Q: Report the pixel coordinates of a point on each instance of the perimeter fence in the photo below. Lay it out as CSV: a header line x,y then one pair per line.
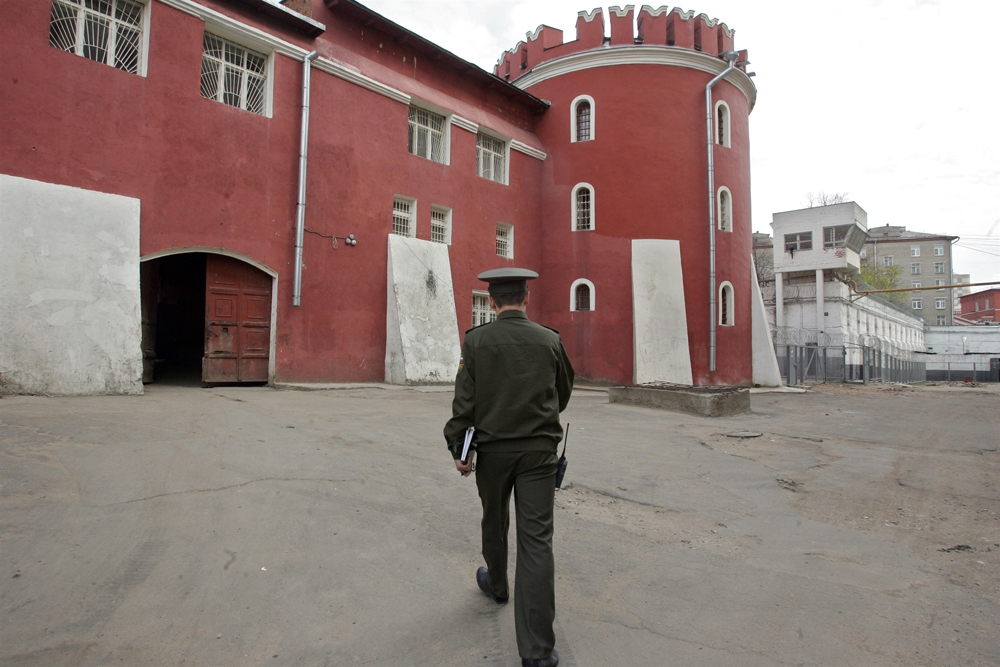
x,y
806,356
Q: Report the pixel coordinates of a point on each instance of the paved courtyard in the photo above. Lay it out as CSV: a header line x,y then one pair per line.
x,y
250,526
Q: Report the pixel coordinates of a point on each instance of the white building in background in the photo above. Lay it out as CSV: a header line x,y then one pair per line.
x,y
816,257
957,352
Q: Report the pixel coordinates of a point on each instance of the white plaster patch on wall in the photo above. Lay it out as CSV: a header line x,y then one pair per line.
x,y
660,319
69,290
422,342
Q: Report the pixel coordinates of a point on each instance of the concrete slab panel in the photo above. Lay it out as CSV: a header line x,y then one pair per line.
x,y
765,362
69,290
660,331
422,344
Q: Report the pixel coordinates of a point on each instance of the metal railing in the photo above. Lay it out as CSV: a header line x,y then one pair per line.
x,y
827,358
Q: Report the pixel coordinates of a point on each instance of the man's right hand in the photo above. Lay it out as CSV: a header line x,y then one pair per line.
x,y
467,467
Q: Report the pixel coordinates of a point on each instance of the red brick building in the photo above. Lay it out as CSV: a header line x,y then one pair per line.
x,y
584,160
981,307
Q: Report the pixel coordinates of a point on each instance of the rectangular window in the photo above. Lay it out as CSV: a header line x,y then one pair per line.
x,y
233,74
941,320
505,240
864,253
939,304
939,251
917,304
491,158
915,268
887,260
915,283
796,242
938,267
404,216
426,137
108,31
481,311
939,282
441,225
914,251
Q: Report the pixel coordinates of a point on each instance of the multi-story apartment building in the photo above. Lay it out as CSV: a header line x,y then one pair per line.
x,y
925,260
959,292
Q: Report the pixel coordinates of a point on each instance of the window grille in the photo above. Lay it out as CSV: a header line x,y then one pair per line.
x,y
845,236
914,251
233,74
584,221
491,158
481,311
426,137
583,121
108,31
887,260
722,125
583,297
796,242
939,304
917,304
439,225
402,217
938,267
726,305
939,250
915,268
505,241
725,211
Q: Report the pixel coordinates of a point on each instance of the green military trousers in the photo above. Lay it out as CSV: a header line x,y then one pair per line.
x,y
532,477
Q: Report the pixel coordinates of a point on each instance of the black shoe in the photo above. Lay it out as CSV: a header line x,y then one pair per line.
x,y
484,586
550,661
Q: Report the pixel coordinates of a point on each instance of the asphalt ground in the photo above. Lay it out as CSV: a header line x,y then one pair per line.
x,y
250,526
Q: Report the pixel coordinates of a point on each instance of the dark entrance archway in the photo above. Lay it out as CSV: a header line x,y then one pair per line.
x,y
206,319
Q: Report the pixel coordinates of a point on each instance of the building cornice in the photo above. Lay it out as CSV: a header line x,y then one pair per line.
x,y
522,147
465,124
646,54
358,79
237,28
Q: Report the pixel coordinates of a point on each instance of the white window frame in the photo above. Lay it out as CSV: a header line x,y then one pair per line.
x,y
915,268
445,212
914,251
938,265
245,42
887,261
506,156
572,295
916,283
940,304
726,139
942,320
939,282
413,215
572,117
939,251
917,304
445,129
510,240
730,309
573,211
491,314
143,27
720,209
863,253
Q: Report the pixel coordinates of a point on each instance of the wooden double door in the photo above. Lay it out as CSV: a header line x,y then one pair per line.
x,y
237,321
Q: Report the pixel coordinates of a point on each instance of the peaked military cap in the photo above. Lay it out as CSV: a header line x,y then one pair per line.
x,y
508,280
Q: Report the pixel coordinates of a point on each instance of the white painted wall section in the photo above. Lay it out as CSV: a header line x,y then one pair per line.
x,y
70,318
765,363
422,342
659,316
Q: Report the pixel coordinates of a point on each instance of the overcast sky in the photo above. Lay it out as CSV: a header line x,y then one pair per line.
x,y
891,101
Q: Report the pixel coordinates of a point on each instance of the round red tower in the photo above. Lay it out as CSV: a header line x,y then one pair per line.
x,y
626,194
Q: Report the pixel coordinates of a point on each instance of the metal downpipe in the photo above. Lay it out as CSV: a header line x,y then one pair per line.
x,y
300,209
731,56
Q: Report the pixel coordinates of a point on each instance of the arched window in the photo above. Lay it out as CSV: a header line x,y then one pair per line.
x,y
583,207
726,305
722,124
581,295
582,119
725,212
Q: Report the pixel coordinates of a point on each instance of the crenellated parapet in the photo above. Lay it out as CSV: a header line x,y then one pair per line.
x,y
651,27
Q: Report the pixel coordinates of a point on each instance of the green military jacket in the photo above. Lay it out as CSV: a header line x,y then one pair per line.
x,y
513,380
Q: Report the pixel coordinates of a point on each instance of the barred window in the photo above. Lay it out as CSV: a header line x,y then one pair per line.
x,y
441,225
491,158
722,129
584,208
505,241
583,121
481,311
108,31
233,74
725,210
403,213
800,241
583,296
426,137
726,305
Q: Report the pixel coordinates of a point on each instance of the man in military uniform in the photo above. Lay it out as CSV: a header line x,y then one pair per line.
x,y
513,380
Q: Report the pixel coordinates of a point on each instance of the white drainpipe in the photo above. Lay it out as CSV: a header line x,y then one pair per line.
x,y
300,211
731,56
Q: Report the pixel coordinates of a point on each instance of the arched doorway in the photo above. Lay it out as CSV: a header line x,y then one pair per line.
x,y
206,319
